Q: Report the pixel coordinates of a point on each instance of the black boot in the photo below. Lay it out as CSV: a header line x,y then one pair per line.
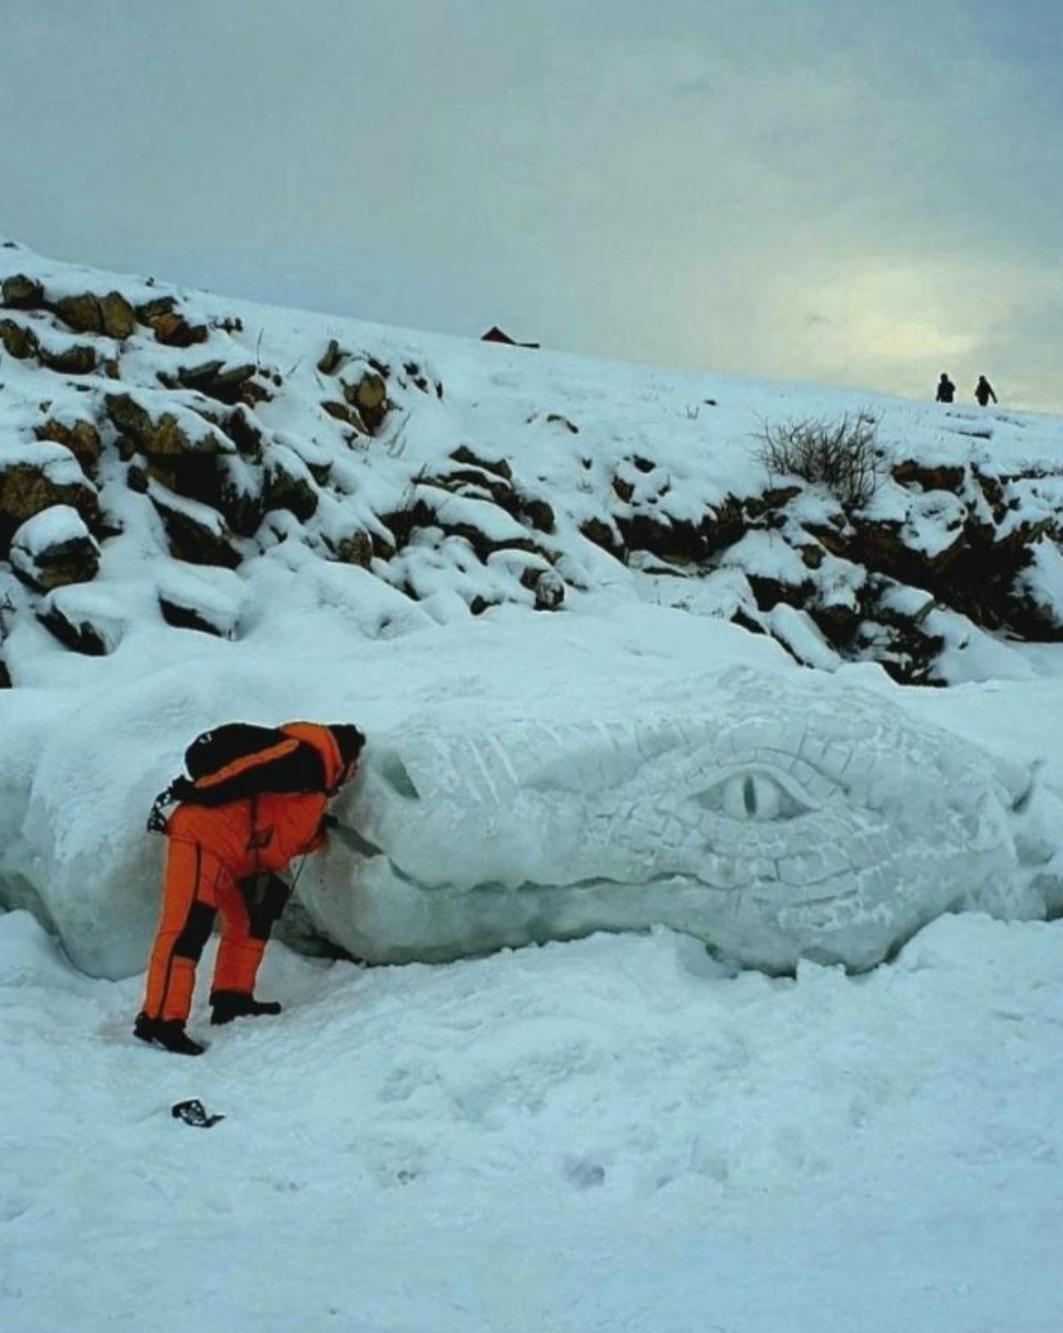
x,y
229,1004
168,1033
144,1027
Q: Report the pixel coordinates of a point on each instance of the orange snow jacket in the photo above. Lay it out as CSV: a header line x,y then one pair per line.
x,y
266,831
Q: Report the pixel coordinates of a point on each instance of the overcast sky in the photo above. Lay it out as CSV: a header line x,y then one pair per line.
x,y
853,191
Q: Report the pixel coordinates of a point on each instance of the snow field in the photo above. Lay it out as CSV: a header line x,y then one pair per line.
x,y
699,1149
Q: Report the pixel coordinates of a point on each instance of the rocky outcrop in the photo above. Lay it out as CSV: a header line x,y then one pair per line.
x,y
33,479
81,438
199,437
54,549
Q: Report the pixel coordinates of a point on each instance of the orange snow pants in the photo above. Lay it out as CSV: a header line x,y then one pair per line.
x,y
196,886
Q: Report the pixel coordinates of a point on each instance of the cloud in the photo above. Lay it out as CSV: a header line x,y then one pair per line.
x,y
685,182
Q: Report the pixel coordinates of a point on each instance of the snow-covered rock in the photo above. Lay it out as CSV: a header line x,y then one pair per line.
x,y
54,548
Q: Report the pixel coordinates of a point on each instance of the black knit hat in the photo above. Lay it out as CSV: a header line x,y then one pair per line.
x,y
349,739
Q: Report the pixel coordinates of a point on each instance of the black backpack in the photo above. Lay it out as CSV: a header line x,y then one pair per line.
x,y
239,760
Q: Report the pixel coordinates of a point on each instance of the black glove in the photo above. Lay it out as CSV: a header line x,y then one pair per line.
x,y
265,896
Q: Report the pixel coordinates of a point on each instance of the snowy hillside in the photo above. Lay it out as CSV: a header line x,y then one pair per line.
x,y
171,458
802,757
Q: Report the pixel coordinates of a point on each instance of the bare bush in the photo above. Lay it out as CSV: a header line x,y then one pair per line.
x,y
844,455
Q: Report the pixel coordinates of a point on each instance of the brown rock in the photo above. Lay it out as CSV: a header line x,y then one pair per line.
x,y
212,379
770,592
19,342
183,616
118,316
81,313
243,432
940,478
538,513
173,330
838,621
624,489
333,357
383,549
22,293
831,536
76,559
745,621
722,526
159,305
163,438
548,587
991,488
26,490
80,636
127,414
601,534
356,549
480,485
82,439
239,502
370,395
284,490
77,360
499,466
771,500
343,412
191,539
812,556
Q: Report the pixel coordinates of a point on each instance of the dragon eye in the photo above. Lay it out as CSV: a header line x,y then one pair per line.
x,y
752,796
756,796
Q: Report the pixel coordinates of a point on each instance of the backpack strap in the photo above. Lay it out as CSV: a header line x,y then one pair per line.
x,y
267,761
161,810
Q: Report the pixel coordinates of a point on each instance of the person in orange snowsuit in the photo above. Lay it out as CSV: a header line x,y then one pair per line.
x,y
226,858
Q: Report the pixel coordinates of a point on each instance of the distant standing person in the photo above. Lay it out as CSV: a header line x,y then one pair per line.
x,y
946,389
983,391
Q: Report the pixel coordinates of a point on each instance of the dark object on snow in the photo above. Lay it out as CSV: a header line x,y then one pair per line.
x,y
170,1034
193,1112
495,335
983,391
226,1005
946,389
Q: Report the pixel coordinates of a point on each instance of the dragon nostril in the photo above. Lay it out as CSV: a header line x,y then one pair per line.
x,y
394,772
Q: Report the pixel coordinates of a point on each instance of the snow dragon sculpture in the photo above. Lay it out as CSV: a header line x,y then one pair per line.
x,y
781,822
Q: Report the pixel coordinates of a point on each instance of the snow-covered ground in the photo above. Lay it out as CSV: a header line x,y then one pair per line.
x,y
614,1133
607,1134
